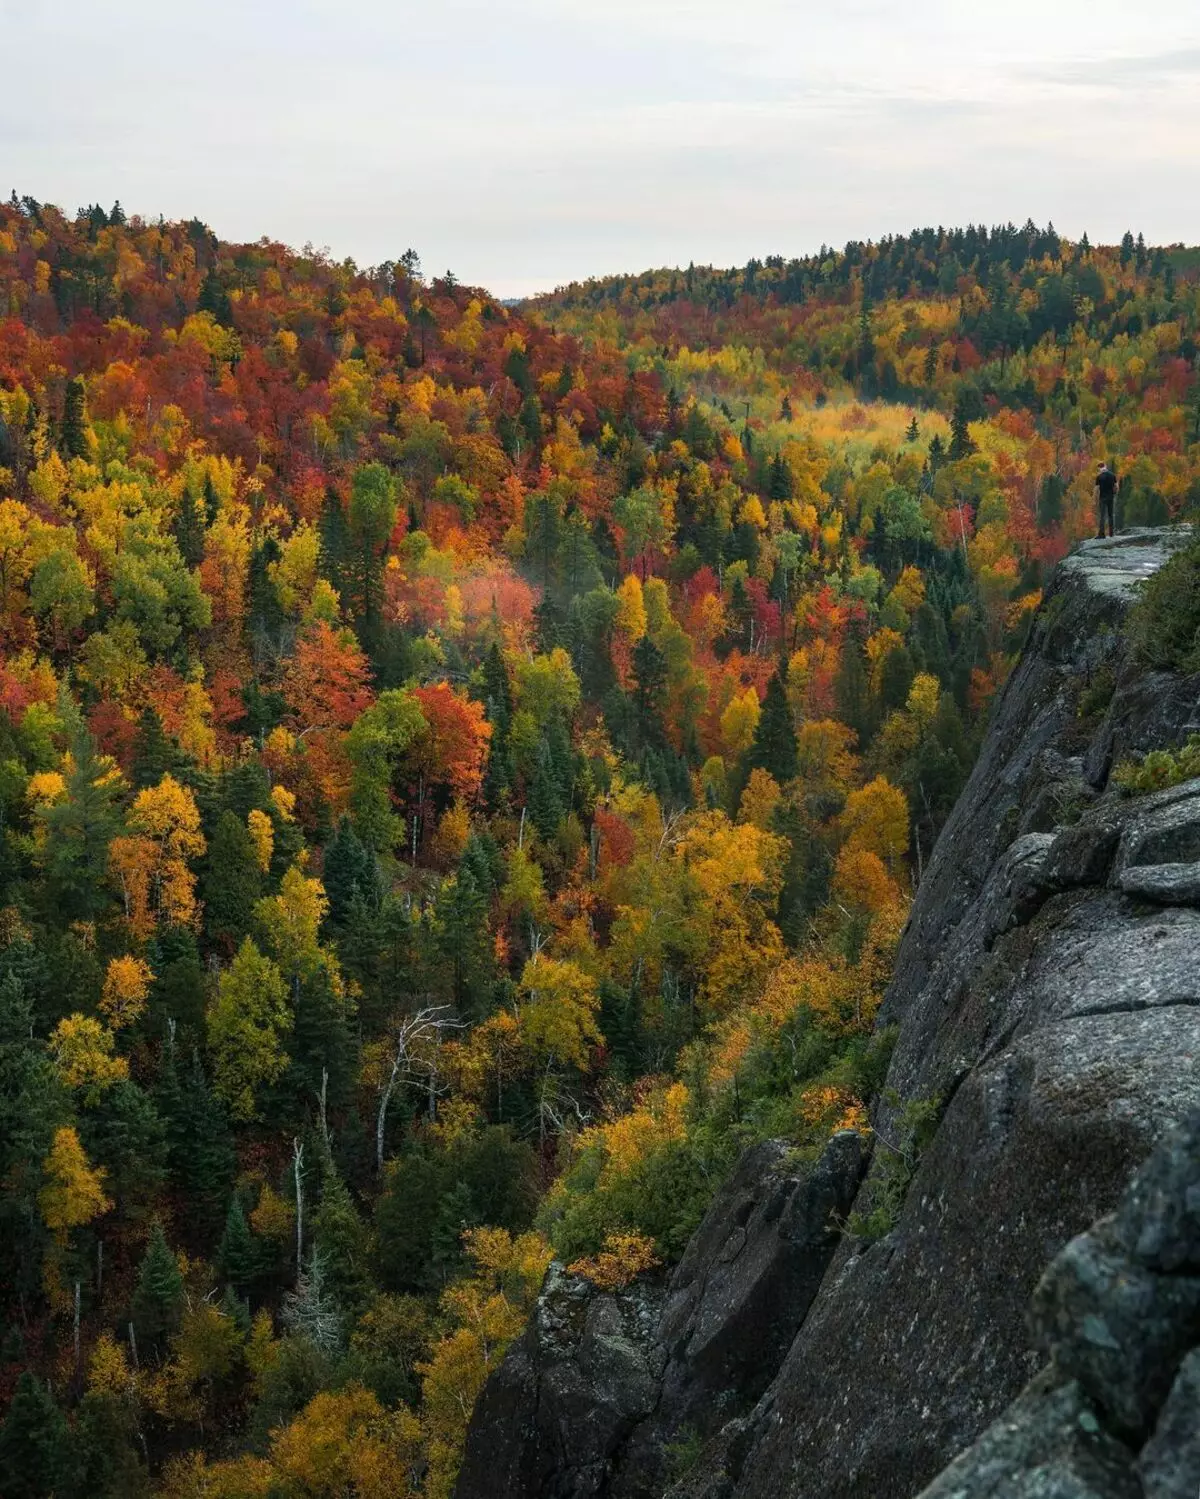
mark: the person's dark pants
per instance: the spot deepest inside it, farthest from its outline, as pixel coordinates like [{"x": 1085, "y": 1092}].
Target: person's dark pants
[{"x": 1108, "y": 514}]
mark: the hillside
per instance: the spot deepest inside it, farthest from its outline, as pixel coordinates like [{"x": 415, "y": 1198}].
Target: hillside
[{"x": 464, "y": 771}]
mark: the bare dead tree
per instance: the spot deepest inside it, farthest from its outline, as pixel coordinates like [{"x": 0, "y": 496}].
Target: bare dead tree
[{"x": 413, "y": 1044}]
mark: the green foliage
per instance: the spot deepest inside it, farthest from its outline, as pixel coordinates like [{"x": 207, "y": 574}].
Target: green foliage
[
  {"x": 1164, "y": 624},
  {"x": 158, "y": 1298},
  {"x": 895, "y": 1164},
  {"x": 1160, "y": 769}
]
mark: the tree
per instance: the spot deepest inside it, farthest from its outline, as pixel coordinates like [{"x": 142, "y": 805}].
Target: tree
[
  {"x": 371, "y": 518},
  {"x": 126, "y": 984},
  {"x": 75, "y": 432},
  {"x": 232, "y": 882},
  {"x": 327, "y": 680},
  {"x": 962, "y": 444},
  {"x": 558, "y": 1014},
  {"x": 247, "y": 1023},
  {"x": 35, "y": 1443},
  {"x": 158, "y": 1297},
  {"x": 773, "y": 748},
  {"x": 74, "y": 1192},
  {"x": 79, "y": 829},
  {"x": 238, "y": 1257}
]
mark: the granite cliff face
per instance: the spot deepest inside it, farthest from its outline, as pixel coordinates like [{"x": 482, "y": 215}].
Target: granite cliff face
[{"x": 1047, "y": 995}]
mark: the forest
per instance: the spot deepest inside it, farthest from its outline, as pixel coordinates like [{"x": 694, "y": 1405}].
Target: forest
[{"x": 463, "y": 773}]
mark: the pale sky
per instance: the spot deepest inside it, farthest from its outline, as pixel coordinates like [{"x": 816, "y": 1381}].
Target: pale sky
[{"x": 525, "y": 143}]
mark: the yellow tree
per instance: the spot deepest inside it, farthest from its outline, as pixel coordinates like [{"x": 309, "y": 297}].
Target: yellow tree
[
  {"x": 150, "y": 862},
  {"x": 82, "y": 1049},
  {"x": 126, "y": 985},
  {"x": 74, "y": 1191}
]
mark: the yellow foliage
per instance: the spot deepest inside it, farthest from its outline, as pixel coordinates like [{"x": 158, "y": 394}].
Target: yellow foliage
[
  {"x": 262, "y": 835},
  {"x": 759, "y": 800},
  {"x": 631, "y": 608},
  {"x": 126, "y": 985},
  {"x": 74, "y": 1191},
  {"x": 739, "y": 721},
  {"x": 875, "y": 820},
  {"x": 623, "y": 1258},
  {"x": 558, "y": 1018},
  {"x": 82, "y": 1049}
]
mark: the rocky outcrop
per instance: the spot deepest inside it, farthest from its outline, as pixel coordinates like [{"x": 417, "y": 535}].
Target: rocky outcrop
[
  {"x": 605, "y": 1389},
  {"x": 1047, "y": 997},
  {"x": 1116, "y": 1412}
]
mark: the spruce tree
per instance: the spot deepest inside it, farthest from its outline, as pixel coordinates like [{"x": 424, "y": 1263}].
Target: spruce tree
[
  {"x": 774, "y": 745},
  {"x": 232, "y": 882},
  {"x": 238, "y": 1255},
  {"x": 158, "y": 1299},
  {"x": 74, "y": 442},
  {"x": 962, "y": 445},
  {"x": 545, "y": 800}
]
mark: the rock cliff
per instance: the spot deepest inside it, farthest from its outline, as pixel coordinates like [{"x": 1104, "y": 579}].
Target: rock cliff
[{"x": 1047, "y": 998}]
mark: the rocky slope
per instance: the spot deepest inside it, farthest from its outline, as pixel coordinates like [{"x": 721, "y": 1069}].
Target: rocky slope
[{"x": 1047, "y": 995}]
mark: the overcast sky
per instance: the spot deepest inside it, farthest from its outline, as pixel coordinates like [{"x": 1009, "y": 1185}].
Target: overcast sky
[{"x": 524, "y": 143}]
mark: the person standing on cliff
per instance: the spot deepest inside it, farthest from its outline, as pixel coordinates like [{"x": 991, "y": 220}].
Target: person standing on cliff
[{"x": 1106, "y": 499}]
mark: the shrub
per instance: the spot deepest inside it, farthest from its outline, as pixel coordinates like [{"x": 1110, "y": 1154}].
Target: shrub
[
  {"x": 1164, "y": 624},
  {"x": 1160, "y": 768}
]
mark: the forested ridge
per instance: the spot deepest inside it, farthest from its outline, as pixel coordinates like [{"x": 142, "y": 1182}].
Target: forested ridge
[{"x": 463, "y": 769}]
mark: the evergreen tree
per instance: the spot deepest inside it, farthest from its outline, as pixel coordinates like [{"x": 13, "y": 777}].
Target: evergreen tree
[
  {"x": 913, "y": 431},
  {"x": 852, "y": 690},
  {"x": 189, "y": 528},
  {"x": 74, "y": 443},
  {"x": 962, "y": 445},
  {"x": 199, "y": 1145},
  {"x": 350, "y": 872},
  {"x": 650, "y": 691},
  {"x": 774, "y": 746},
  {"x": 79, "y": 829},
  {"x": 545, "y": 800},
  {"x": 1050, "y": 501},
  {"x": 231, "y": 883},
  {"x": 35, "y": 1444},
  {"x": 159, "y": 1297},
  {"x": 238, "y": 1256}
]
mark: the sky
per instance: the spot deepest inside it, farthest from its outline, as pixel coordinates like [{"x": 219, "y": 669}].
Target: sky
[{"x": 526, "y": 143}]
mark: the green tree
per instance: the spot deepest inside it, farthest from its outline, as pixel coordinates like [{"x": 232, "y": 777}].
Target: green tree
[
  {"x": 238, "y": 1256},
  {"x": 231, "y": 882},
  {"x": 774, "y": 746},
  {"x": 74, "y": 441},
  {"x": 35, "y": 1444},
  {"x": 79, "y": 829},
  {"x": 372, "y": 518},
  {"x": 158, "y": 1298},
  {"x": 247, "y": 1023}
]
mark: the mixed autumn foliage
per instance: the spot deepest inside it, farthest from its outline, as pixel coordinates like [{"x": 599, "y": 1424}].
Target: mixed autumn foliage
[{"x": 462, "y": 774}]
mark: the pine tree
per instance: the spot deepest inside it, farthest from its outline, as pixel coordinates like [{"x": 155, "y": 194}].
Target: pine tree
[
  {"x": 913, "y": 431},
  {"x": 852, "y": 690},
  {"x": 232, "y": 882},
  {"x": 774, "y": 745},
  {"x": 158, "y": 1299},
  {"x": 35, "y": 1444}
]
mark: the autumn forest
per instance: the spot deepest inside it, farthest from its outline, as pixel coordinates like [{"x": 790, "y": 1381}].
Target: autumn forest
[{"x": 463, "y": 772}]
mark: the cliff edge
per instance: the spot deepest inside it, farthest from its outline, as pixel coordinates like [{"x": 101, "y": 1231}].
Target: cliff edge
[{"x": 1047, "y": 999}]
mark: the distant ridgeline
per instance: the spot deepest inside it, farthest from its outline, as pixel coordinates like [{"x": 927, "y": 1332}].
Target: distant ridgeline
[{"x": 464, "y": 769}]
